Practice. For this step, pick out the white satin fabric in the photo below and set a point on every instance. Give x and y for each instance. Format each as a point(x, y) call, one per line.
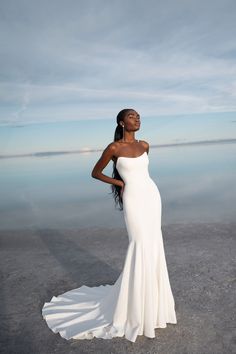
point(141, 298)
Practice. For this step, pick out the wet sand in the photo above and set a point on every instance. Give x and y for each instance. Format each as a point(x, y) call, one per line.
point(37, 264)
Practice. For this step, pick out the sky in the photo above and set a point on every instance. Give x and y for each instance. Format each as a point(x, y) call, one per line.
point(73, 64)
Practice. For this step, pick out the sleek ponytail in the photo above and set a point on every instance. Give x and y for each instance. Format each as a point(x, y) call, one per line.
point(115, 174)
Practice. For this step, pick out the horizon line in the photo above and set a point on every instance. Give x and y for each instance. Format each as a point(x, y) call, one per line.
point(81, 151)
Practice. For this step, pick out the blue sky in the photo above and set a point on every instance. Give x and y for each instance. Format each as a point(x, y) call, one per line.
point(96, 134)
point(67, 65)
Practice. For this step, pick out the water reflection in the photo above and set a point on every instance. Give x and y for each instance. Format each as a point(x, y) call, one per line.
point(196, 184)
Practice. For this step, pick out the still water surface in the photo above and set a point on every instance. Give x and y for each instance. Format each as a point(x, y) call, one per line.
point(196, 183)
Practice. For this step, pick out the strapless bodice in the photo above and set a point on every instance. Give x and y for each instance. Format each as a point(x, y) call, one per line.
point(133, 169)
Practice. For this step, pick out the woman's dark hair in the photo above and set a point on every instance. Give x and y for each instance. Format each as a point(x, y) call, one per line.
point(115, 174)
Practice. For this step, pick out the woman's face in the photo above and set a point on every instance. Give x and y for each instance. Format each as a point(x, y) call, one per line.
point(132, 121)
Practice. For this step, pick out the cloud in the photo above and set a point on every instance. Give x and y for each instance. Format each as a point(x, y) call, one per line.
point(24, 102)
point(76, 60)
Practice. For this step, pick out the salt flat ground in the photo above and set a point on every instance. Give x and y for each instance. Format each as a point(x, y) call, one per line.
point(37, 264)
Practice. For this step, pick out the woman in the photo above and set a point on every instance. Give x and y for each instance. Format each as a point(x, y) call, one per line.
point(128, 121)
point(141, 298)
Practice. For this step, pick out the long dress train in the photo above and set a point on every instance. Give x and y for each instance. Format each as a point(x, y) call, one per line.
point(141, 299)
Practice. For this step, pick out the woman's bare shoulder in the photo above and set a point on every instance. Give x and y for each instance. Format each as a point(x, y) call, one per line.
point(145, 144)
point(112, 147)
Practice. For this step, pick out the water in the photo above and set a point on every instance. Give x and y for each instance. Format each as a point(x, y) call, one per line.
point(196, 183)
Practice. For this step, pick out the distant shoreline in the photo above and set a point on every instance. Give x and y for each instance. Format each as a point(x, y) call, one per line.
point(53, 153)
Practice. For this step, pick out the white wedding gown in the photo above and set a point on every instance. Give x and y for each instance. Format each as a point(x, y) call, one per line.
point(141, 298)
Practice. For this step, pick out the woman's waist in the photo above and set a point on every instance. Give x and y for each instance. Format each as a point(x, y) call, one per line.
point(141, 181)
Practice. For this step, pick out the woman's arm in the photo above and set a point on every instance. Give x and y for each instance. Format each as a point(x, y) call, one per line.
point(107, 156)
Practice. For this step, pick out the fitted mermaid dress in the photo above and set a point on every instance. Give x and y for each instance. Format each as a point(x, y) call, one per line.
point(141, 299)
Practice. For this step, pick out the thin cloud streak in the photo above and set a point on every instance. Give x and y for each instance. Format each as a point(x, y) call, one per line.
point(68, 60)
